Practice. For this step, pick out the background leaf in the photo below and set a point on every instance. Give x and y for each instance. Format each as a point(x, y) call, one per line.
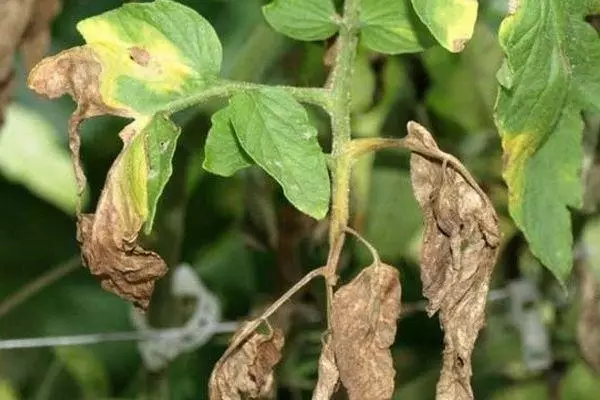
point(31, 154)
point(302, 19)
point(274, 130)
point(392, 27)
point(553, 77)
point(451, 22)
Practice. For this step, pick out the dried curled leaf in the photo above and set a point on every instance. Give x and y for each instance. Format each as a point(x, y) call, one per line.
point(329, 376)
point(25, 26)
point(108, 237)
point(363, 321)
point(588, 326)
point(460, 245)
point(247, 372)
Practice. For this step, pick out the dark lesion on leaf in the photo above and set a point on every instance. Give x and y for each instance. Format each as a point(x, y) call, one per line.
point(139, 55)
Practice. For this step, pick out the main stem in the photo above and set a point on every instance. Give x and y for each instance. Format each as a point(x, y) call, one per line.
point(339, 87)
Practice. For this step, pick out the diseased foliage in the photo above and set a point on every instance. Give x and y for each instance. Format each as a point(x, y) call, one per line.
point(147, 61)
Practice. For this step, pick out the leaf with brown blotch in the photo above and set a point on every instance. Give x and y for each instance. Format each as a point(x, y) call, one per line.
point(329, 376)
point(247, 372)
point(588, 325)
point(108, 237)
point(25, 26)
point(363, 323)
point(134, 182)
point(459, 249)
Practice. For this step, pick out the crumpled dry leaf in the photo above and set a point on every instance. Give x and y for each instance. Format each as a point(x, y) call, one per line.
point(329, 376)
point(247, 372)
point(588, 326)
point(460, 245)
point(363, 322)
point(108, 237)
point(25, 26)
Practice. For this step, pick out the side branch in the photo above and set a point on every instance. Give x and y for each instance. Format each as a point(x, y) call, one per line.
point(359, 147)
point(224, 88)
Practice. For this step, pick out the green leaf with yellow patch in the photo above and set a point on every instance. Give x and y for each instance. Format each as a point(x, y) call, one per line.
point(152, 54)
point(160, 136)
point(551, 75)
point(392, 27)
point(223, 154)
point(303, 19)
point(273, 128)
point(450, 21)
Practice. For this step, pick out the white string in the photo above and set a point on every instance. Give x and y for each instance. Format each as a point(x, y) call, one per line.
point(161, 334)
point(96, 338)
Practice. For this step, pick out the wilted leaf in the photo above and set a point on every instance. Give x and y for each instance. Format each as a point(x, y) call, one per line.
point(25, 26)
point(138, 59)
point(363, 322)
point(273, 128)
point(588, 326)
point(248, 371)
point(392, 27)
point(302, 19)
point(550, 74)
point(450, 21)
point(458, 254)
point(109, 236)
point(329, 376)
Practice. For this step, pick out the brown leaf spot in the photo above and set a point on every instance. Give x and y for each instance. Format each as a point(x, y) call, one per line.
point(329, 376)
point(248, 371)
point(363, 321)
point(459, 249)
point(458, 45)
point(139, 56)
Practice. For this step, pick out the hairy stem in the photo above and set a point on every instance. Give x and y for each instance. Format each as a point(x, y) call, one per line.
point(339, 85)
point(226, 88)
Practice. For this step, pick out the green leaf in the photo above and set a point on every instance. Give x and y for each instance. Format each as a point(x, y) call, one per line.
point(273, 128)
point(223, 154)
point(303, 19)
point(551, 66)
point(30, 154)
point(160, 141)
point(463, 87)
point(152, 53)
point(451, 21)
point(7, 392)
point(392, 204)
point(393, 27)
point(86, 369)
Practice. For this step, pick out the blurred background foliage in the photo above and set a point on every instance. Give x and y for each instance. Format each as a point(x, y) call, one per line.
point(248, 245)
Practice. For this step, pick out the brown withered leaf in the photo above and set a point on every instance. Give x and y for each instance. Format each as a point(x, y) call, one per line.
point(363, 323)
point(25, 26)
point(459, 249)
point(247, 372)
point(588, 326)
point(108, 237)
point(329, 376)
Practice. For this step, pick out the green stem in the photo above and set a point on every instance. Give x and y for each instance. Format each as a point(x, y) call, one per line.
point(339, 86)
point(225, 88)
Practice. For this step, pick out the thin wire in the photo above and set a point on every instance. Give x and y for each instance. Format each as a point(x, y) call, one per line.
point(220, 328)
point(96, 338)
